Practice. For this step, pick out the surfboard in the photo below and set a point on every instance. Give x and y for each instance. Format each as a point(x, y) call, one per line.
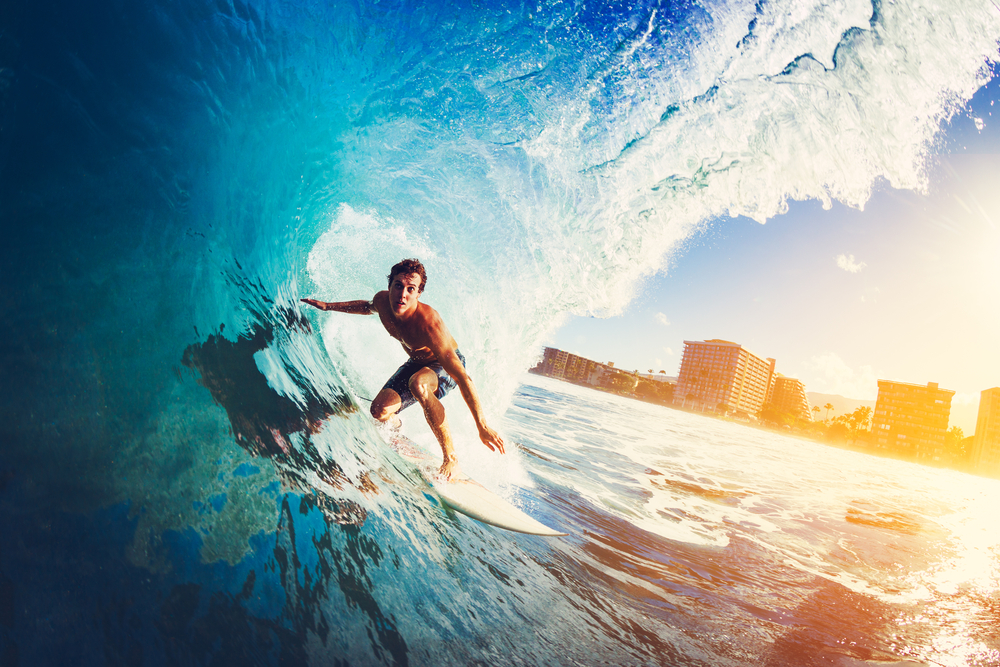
point(468, 496)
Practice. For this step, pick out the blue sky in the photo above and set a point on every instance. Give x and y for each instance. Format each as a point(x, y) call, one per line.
point(907, 289)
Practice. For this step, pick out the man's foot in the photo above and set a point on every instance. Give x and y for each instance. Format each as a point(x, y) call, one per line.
point(391, 427)
point(395, 423)
point(449, 470)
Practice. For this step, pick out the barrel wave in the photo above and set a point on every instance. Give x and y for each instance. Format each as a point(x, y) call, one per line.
point(189, 474)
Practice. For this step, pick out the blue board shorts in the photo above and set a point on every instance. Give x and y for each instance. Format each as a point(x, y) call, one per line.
point(400, 380)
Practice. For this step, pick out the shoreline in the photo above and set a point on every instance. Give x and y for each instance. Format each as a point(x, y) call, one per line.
point(782, 430)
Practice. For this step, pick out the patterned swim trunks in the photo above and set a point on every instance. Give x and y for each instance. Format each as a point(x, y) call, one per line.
point(400, 380)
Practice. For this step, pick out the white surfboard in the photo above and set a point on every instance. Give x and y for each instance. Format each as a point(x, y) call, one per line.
point(468, 496)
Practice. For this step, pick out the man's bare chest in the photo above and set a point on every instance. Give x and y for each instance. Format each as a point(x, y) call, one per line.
point(411, 336)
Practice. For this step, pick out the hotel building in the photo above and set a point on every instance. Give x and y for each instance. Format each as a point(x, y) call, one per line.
point(911, 419)
point(584, 371)
point(986, 444)
point(788, 395)
point(554, 362)
point(565, 366)
point(718, 372)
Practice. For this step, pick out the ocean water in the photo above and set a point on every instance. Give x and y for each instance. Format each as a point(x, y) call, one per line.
point(187, 472)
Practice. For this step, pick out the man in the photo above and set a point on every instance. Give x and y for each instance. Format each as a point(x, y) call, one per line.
point(435, 365)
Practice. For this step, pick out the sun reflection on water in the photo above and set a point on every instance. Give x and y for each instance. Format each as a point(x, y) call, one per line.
point(957, 594)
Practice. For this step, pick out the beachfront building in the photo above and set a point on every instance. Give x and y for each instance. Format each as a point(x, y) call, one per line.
point(553, 363)
point(722, 376)
point(911, 420)
point(566, 366)
point(581, 370)
point(986, 443)
point(788, 396)
point(658, 377)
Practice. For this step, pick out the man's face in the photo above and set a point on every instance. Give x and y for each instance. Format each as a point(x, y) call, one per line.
point(404, 292)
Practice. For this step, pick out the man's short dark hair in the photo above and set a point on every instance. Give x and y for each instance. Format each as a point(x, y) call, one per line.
point(409, 266)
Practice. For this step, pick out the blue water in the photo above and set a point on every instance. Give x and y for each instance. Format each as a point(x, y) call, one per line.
point(187, 475)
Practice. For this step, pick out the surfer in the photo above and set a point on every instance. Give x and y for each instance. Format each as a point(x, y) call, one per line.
point(435, 366)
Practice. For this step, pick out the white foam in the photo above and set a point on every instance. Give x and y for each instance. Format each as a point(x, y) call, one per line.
point(815, 101)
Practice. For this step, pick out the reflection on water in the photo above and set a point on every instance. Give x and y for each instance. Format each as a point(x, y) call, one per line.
point(834, 557)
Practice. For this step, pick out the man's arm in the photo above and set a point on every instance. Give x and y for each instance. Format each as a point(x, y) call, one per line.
point(451, 363)
point(355, 307)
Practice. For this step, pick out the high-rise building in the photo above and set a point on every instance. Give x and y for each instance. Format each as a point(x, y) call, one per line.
point(911, 420)
point(566, 366)
point(986, 444)
point(554, 362)
point(579, 369)
point(716, 373)
point(788, 395)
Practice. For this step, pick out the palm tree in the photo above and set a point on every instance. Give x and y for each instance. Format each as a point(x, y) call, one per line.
point(860, 420)
point(816, 410)
point(828, 407)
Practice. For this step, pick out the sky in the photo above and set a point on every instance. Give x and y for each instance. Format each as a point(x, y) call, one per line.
point(907, 289)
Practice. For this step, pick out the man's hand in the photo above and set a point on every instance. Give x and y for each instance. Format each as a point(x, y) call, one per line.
point(491, 438)
point(315, 304)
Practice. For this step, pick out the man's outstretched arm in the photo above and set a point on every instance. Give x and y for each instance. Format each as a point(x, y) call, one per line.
point(451, 363)
point(355, 307)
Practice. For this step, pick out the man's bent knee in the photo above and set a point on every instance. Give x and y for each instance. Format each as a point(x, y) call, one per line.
point(385, 405)
point(423, 385)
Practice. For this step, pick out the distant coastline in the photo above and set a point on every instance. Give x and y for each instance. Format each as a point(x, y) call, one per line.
point(821, 432)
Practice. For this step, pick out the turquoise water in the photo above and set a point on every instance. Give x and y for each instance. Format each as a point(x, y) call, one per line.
point(187, 474)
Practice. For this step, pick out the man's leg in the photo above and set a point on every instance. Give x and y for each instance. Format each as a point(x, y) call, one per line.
point(385, 406)
point(423, 384)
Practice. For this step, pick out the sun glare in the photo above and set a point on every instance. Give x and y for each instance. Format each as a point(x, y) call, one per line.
point(961, 586)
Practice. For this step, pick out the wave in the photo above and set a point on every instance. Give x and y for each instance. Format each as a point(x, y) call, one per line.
point(543, 166)
point(175, 176)
point(541, 159)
